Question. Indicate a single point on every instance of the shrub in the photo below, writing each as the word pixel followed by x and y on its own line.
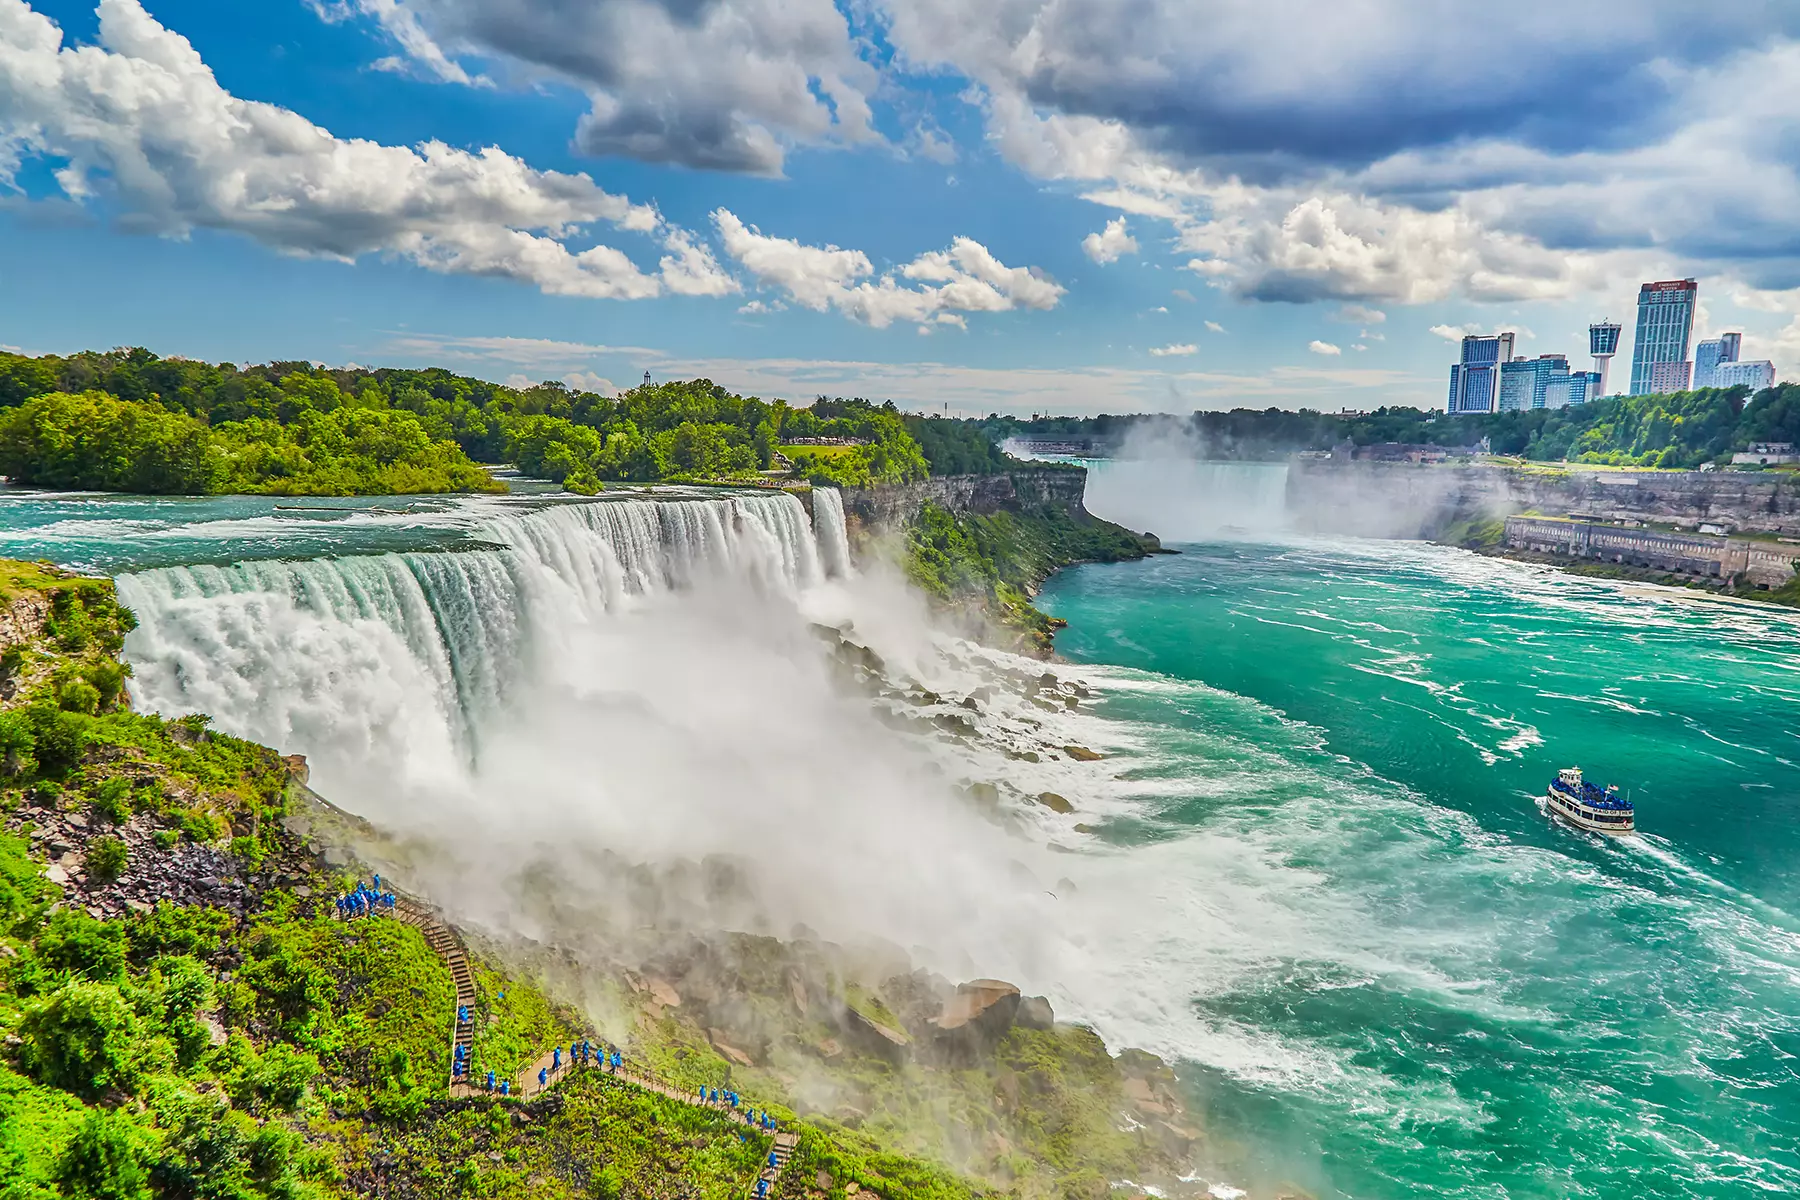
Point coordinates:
pixel 17 744
pixel 171 929
pixel 201 826
pixel 60 738
pixel 108 681
pixel 74 943
pixel 277 1079
pixel 248 850
pixel 165 839
pixel 79 696
pixel 104 1160
pixel 80 1039
pixel 107 858
pixel 113 801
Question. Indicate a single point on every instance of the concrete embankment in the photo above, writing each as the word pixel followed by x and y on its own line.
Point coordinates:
pixel 1409 500
pixel 1761 563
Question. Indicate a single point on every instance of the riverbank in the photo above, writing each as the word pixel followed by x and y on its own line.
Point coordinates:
pixel 1488 537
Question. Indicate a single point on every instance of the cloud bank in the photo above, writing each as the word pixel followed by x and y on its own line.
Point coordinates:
pixel 140 121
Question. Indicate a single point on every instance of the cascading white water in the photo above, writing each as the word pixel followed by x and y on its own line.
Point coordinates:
pixel 828 527
pixel 1189 500
pixel 633 676
pixel 403 657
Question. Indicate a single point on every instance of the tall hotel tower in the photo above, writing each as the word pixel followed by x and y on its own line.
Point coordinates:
pixel 1603 343
pixel 1665 320
pixel 1475 381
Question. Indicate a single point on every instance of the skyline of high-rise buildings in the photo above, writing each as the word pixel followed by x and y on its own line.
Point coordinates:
pixel 1490 378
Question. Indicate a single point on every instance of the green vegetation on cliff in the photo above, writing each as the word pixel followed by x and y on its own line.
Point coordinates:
pixel 994 563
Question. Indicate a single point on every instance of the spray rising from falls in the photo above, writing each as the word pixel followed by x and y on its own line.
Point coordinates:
pixel 627 684
pixel 1189 499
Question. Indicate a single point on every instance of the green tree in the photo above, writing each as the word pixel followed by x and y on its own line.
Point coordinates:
pixel 97 441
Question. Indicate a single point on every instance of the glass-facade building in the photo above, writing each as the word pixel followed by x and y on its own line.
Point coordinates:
pixel 1540 382
pixel 1517 380
pixel 1475 381
pixel 1710 355
pixel 1665 321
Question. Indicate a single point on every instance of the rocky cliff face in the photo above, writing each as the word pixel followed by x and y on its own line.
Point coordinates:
pixel 1412 500
pixel 1027 487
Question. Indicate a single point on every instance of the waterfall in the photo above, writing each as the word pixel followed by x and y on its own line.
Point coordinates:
pixel 828 527
pixel 399 661
pixel 613 681
pixel 1184 499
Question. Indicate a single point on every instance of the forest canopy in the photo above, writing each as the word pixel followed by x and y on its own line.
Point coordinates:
pixel 1683 429
pixel 126 420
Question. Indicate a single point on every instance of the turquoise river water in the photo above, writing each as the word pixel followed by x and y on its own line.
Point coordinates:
pixel 1471 1000
pixel 1333 896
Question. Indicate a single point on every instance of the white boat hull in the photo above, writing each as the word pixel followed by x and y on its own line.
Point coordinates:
pixel 1616 824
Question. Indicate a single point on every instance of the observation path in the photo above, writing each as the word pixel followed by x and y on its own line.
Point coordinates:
pixel 444 942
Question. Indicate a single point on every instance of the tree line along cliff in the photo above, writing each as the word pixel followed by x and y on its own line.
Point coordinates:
pixel 1682 429
pixel 127 420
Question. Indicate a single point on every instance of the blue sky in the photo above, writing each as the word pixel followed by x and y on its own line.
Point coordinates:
pixel 1023 205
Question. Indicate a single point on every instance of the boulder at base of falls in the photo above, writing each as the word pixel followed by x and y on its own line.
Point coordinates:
pixel 1034 1013
pixel 1055 803
pixel 976 1016
pixel 1083 754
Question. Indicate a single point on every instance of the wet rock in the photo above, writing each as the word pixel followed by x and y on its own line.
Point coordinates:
pixel 984 794
pixel 990 1003
pixel 1055 803
pixel 1082 754
pixel 1034 1013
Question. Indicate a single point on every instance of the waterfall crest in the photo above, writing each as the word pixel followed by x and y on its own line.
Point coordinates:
pixel 404 657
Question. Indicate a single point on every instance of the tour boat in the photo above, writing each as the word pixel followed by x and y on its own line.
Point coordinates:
pixel 1585 806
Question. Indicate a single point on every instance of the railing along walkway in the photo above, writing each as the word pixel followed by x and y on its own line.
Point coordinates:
pixel 554 1065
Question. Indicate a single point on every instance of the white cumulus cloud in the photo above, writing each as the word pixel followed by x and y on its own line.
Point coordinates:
pixel 1215 327
pixel 142 118
pixel 1178 350
pixel 1110 243
pixel 718 84
pixel 964 278
pixel 1325 348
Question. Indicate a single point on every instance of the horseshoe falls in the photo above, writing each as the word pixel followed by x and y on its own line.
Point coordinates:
pixel 1310 870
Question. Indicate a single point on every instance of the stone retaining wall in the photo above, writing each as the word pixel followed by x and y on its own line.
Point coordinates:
pixel 1770 564
pixel 1415 500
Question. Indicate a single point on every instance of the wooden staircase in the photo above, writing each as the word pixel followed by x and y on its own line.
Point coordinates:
pixel 442 941
pixel 525 1086
pixel 780 1153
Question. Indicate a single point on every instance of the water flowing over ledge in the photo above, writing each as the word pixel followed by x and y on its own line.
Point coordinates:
pixel 429 645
